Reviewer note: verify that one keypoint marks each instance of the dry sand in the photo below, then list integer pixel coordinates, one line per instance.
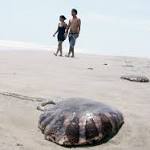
(40, 74)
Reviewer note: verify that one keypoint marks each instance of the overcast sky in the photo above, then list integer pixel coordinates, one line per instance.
(118, 27)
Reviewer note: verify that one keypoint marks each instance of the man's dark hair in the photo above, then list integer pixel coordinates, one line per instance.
(74, 10)
(63, 17)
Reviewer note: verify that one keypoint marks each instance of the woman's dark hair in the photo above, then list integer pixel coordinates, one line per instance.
(63, 17)
(74, 10)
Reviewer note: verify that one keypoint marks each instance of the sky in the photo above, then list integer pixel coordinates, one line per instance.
(109, 27)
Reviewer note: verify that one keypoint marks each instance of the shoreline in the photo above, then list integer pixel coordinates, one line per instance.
(77, 53)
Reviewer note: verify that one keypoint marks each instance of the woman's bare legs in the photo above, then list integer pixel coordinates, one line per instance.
(59, 49)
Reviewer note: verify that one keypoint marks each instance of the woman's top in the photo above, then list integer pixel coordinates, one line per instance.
(61, 33)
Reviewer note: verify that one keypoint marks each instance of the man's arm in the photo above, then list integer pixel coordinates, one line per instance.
(79, 25)
(68, 27)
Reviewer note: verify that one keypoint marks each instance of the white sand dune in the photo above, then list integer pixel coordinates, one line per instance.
(40, 74)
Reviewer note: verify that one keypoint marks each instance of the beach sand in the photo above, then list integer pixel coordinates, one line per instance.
(40, 74)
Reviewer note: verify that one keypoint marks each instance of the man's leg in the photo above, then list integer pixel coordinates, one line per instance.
(75, 36)
(72, 43)
(68, 55)
(72, 52)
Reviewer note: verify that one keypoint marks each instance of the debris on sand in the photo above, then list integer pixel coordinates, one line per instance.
(73, 119)
(90, 68)
(105, 64)
(135, 78)
(18, 144)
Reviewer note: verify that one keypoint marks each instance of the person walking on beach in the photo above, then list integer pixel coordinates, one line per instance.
(62, 26)
(74, 30)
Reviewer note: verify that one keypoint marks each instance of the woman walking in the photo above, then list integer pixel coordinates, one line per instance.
(62, 26)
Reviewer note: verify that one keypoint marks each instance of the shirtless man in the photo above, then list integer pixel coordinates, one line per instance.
(74, 31)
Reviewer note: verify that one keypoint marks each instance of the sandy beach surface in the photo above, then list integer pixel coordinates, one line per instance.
(40, 74)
